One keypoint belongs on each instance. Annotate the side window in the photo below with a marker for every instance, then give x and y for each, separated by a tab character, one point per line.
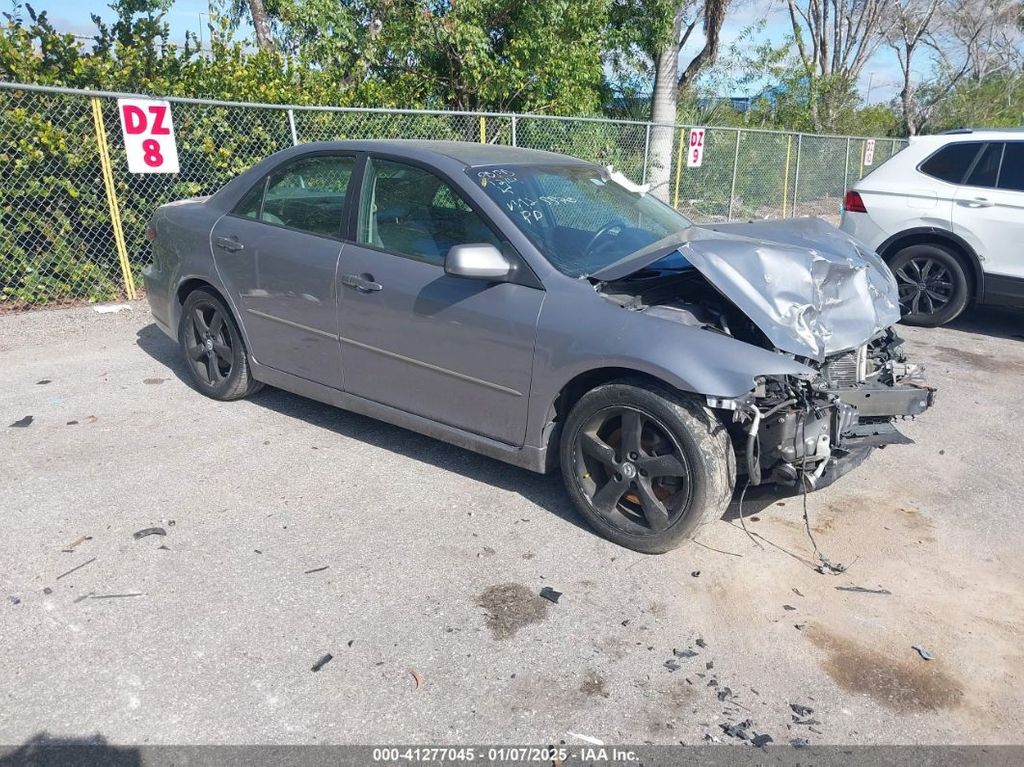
308	195
1012	174
986	170
250	205
951	162
411	212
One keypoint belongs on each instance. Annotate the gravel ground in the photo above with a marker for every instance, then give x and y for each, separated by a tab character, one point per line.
435	557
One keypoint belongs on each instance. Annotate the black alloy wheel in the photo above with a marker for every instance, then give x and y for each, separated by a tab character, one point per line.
646	465
214	351
933	288
631	470
926	286
208	343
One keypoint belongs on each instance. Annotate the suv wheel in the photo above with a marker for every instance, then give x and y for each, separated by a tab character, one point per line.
645	466
932	284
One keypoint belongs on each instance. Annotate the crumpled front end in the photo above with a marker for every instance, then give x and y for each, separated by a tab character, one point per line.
811	288
795	432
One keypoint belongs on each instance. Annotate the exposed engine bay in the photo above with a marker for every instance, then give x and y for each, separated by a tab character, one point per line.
813	428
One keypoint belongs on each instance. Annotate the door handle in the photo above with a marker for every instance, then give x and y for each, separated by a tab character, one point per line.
977	202
364	284
230	244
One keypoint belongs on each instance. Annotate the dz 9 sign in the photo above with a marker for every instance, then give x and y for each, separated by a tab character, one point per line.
695	151
148	136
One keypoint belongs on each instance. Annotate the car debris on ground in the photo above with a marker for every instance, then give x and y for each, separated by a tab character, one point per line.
416	677
550	594
70	548
75	569
324	660
862	590
925	655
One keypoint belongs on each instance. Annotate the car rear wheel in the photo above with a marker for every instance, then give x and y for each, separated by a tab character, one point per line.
213	348
932	284
645	466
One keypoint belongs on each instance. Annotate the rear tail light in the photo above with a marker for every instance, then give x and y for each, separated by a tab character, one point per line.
150	233
854	203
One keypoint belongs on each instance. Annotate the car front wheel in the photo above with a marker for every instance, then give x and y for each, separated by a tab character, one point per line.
213	348
645	466
932	285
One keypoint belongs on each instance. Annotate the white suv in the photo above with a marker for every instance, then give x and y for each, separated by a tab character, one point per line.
947	215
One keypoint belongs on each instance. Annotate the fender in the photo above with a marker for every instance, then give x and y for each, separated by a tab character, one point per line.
922	234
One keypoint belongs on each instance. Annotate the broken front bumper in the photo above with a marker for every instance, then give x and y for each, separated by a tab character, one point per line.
821	432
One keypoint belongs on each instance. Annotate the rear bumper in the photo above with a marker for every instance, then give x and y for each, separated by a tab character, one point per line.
860	226
157	295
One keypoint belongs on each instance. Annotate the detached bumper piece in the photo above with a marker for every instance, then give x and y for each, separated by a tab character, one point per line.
886	401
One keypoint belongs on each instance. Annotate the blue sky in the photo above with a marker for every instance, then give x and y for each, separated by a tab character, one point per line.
881	74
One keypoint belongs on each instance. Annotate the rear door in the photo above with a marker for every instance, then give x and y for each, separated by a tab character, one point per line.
451	349
989	209
277	253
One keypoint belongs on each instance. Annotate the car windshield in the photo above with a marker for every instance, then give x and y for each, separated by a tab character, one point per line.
581	218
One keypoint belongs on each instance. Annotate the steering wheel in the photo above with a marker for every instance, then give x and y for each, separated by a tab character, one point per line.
603	232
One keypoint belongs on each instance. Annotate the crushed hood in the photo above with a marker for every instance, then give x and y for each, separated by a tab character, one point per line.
813	290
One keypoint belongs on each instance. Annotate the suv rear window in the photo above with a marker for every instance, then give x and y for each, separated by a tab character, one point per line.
987	168
1012	175
951	162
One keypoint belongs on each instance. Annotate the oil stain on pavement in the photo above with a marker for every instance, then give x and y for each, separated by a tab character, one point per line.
510	606
902	685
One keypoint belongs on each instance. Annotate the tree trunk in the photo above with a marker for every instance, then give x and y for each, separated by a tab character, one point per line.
663	113
907	99
261	25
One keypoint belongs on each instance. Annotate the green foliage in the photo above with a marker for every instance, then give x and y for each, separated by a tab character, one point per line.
994	102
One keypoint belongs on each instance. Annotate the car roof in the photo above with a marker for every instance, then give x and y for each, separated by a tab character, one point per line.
969	134
468	153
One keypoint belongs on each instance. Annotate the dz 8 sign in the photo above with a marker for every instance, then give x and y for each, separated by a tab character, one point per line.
148	136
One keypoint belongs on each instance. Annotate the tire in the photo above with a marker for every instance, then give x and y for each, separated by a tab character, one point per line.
625	498
213	349
933	286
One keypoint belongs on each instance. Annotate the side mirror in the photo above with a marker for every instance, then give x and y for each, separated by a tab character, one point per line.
478	261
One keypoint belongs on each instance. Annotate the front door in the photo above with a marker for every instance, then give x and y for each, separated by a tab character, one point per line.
451	349
277	253
989	209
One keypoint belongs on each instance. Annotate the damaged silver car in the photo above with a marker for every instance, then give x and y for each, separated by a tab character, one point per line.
546	312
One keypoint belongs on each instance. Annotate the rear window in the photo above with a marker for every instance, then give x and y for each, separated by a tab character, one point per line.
952	162
986	170
1012	175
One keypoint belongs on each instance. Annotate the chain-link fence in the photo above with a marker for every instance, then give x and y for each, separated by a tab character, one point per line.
73	218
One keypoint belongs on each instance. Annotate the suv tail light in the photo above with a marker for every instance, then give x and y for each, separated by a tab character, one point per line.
853	203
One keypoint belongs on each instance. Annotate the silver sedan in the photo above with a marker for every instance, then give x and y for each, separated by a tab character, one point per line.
546	312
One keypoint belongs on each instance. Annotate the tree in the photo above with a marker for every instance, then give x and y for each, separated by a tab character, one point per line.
264	14
261	23
914	19
835	39
543	55
650	35
970	43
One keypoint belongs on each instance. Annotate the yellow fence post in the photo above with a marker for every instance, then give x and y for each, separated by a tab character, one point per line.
785	180
115	211
679	166
483	129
